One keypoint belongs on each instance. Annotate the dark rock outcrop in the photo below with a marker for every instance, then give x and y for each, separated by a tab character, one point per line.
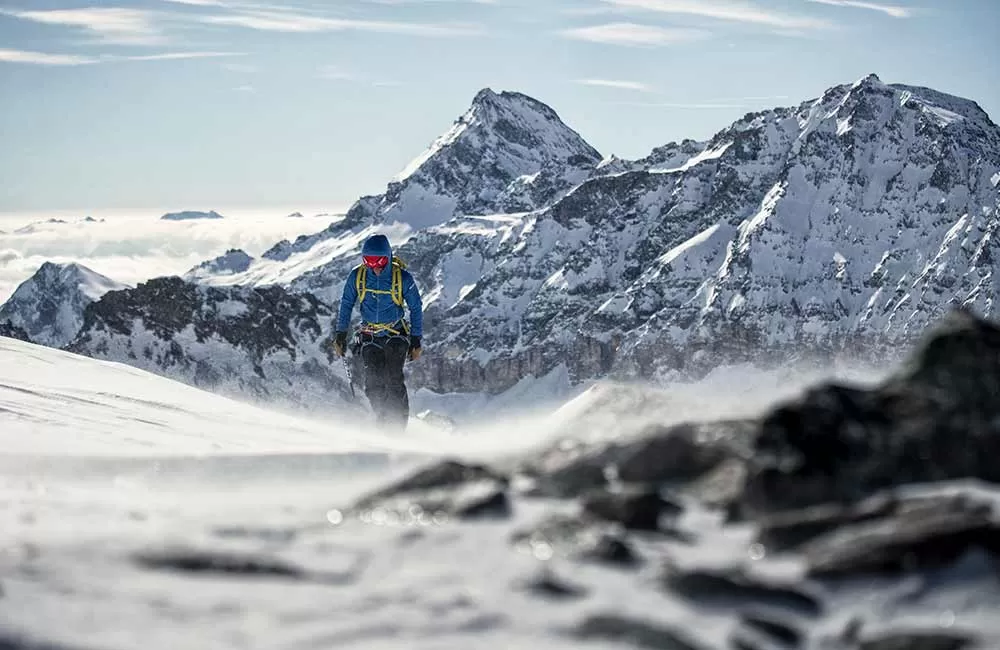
447	488
12	331
936	419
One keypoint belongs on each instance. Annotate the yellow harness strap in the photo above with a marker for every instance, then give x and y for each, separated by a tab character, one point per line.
395	290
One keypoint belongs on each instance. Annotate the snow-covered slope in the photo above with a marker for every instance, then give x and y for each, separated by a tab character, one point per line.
54	402
256	343
49	305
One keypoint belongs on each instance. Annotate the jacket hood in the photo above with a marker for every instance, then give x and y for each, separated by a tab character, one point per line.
377	245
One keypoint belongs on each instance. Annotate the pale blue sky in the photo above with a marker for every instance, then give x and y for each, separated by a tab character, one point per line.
207	103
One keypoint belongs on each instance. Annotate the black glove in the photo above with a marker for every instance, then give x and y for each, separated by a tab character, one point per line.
414	348
340	343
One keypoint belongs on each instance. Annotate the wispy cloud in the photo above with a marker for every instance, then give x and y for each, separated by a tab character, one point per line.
245	88
41	58
110	25
616	83
893	10
173	56
287	21
634	34
727	10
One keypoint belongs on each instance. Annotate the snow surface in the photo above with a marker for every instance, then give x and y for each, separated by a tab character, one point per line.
102	464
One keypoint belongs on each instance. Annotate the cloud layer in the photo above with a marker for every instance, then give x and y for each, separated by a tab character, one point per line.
134	249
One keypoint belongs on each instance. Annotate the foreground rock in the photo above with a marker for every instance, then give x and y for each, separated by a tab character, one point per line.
445	489
919	640
658	455
737	587
937	419
635	632
919	535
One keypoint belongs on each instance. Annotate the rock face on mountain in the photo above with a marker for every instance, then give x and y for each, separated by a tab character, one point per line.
13	332
49	305
231	262
263	343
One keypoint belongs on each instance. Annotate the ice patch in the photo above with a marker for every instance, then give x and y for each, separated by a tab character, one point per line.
710	154
677	251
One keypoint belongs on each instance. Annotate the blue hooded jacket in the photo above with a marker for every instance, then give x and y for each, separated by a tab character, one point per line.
379	307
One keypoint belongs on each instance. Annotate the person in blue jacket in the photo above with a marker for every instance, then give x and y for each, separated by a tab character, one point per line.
385	338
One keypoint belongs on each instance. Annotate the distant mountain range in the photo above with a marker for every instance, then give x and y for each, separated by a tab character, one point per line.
191	215
840	226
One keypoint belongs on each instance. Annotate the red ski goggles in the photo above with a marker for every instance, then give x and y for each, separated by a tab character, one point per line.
375	262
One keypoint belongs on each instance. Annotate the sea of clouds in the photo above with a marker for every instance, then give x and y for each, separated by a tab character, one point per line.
134	246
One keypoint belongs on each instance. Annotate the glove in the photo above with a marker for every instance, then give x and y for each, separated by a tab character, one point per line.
414	348
340	343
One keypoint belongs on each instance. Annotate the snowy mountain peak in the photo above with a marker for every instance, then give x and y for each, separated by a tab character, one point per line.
232	261
190	215
870	80
49	305
512	119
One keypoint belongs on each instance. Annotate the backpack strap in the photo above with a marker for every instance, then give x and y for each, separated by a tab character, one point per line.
397	283
396	289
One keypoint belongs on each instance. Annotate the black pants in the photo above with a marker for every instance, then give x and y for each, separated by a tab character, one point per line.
384	385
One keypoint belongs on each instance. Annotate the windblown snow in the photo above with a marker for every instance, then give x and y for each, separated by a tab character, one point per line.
137	511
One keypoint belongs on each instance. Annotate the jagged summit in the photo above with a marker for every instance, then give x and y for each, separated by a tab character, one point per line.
49	305
528	134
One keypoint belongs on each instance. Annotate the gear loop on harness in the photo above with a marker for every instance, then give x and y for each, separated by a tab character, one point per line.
374	333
